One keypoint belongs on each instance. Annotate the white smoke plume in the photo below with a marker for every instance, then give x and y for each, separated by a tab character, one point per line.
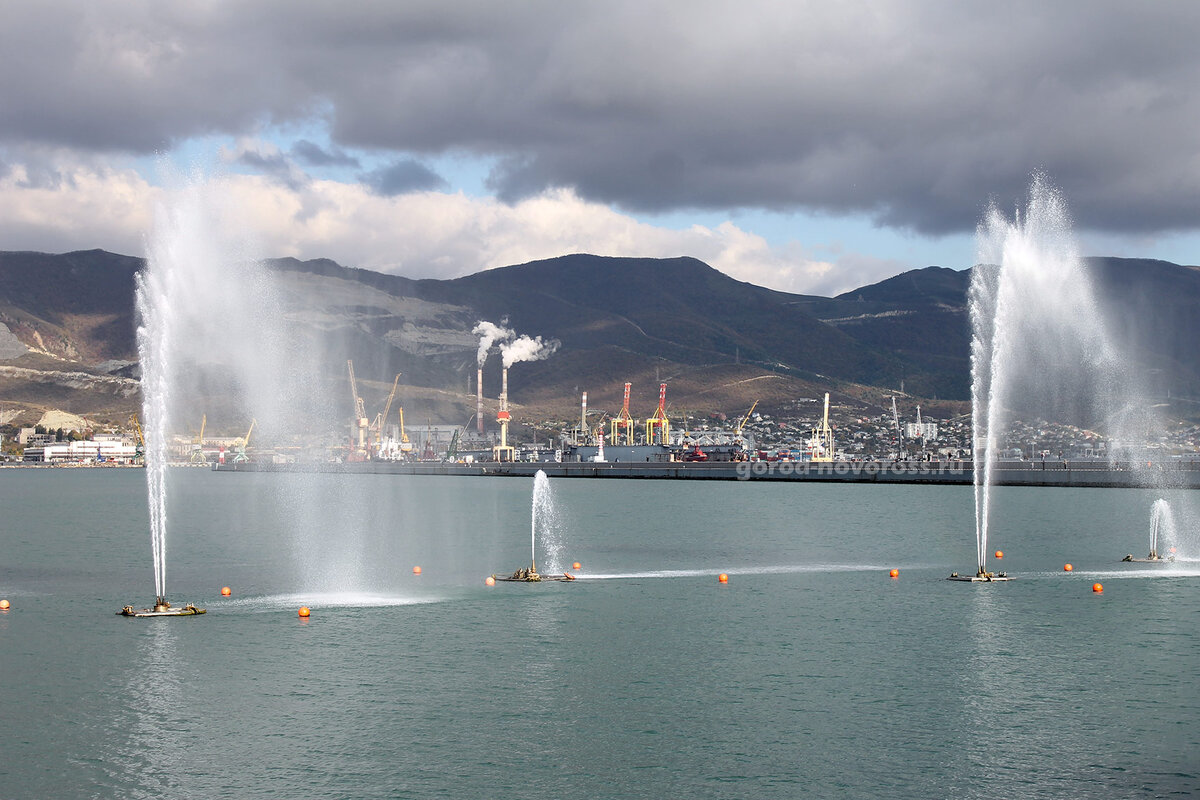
524	348
489	334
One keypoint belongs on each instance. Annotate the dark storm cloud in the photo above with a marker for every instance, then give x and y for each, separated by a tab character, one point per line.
316	156
913	112
402	177
274	164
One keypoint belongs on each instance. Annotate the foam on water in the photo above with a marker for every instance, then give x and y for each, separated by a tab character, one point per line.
278	602
766	570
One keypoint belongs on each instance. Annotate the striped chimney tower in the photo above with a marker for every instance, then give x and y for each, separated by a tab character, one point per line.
479	401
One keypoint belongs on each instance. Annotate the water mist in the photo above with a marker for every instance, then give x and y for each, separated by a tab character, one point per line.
1039	347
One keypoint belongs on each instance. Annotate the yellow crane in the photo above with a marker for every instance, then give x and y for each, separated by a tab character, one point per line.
139	448
623	421
405	444
241	444
361	423
197	456
659	422
745	419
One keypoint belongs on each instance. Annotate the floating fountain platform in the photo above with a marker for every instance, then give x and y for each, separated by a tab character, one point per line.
983	576
161	609
1153	558
530	575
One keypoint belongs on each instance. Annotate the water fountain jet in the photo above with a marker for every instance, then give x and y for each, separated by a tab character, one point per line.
1161	522
542	518
1036	340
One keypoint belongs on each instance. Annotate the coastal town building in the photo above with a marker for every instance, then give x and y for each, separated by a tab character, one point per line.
104	448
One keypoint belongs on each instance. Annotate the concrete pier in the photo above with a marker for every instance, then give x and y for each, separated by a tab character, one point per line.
1170	475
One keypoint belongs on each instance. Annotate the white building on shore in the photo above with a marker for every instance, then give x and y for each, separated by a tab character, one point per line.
104	448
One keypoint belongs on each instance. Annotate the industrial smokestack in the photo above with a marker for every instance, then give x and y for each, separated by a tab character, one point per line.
504	389
583	417
479	401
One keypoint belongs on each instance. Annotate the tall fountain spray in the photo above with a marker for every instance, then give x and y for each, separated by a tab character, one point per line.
152	336
209	340
544	524
175	290
1038	346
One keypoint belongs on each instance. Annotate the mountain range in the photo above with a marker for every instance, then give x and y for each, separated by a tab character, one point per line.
67	333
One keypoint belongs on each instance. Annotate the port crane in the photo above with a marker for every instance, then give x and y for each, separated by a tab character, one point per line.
405	444
899	433
139	441
623	421
240	445
745	419
820	445
659	421
197	456
377	425
361	423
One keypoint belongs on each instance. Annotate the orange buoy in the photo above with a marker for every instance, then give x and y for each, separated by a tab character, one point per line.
894	573
416	570
303	611
1067	568
226	591
490	580
723	578
999	554
3	605
576	565
1097	587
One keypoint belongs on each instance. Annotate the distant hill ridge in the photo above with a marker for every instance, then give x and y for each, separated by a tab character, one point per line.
618	319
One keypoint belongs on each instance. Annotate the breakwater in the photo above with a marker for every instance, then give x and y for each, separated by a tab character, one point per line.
1177	475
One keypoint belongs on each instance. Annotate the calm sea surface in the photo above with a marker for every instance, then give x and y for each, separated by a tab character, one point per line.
811	674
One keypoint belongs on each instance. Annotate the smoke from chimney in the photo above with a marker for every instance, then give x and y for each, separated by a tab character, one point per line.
524	348
489	334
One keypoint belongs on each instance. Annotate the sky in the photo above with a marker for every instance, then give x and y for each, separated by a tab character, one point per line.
810	147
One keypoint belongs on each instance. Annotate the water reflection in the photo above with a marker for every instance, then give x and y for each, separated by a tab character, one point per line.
150	751
995	693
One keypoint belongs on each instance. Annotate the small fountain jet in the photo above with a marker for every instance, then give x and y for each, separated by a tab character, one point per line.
540	505
1159	510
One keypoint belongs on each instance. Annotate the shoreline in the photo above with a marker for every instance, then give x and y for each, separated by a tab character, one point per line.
926	473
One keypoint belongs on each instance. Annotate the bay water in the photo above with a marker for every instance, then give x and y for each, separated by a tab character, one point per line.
812	673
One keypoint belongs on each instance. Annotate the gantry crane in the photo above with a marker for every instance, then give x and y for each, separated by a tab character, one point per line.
623	421
241	444
197	456
361	423
659	421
